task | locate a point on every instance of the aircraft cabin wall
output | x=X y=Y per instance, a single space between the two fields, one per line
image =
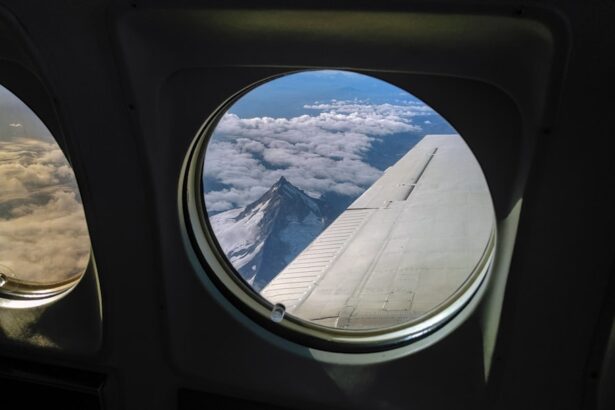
x=125 y=88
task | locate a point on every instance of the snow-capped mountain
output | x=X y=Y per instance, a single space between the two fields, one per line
x=262 y=238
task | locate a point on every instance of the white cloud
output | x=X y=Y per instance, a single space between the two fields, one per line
x=43 y=233
x=318 y=153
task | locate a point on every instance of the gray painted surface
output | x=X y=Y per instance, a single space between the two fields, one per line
x=401 y=249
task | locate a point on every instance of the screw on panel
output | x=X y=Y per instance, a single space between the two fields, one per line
x=277 y=313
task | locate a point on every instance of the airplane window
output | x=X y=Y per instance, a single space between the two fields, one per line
x=343 y=203
x=44 y=241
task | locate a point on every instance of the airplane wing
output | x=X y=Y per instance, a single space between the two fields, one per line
x=401 y=249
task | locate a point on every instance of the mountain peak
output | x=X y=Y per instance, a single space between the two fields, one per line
x=282 y=192
x=282 y=181
x=284 y=187
x=268 y=233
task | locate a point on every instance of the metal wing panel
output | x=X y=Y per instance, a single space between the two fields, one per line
x=400 y=249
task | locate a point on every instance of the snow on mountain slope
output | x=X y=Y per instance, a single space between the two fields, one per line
x=262 y=238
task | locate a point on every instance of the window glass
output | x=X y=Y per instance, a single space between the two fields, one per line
x=345 y=201
x=44 y=239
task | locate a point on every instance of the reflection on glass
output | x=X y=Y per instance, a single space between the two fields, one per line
x=44 y=239
x=286 y=177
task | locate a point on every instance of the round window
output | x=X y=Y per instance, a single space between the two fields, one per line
x=341 y=209
x=44 y=241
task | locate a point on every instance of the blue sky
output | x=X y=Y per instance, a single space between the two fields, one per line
x=286 y=95
x=325 y=131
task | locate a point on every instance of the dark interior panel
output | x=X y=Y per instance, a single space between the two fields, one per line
x=125 y=86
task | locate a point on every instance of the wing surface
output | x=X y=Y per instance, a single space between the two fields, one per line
x=402 y=248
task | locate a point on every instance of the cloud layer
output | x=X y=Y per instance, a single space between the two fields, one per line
x=43 y=233
x=318 y=153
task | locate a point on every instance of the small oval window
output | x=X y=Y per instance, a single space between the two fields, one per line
x=44 y=241
x=345 y=207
